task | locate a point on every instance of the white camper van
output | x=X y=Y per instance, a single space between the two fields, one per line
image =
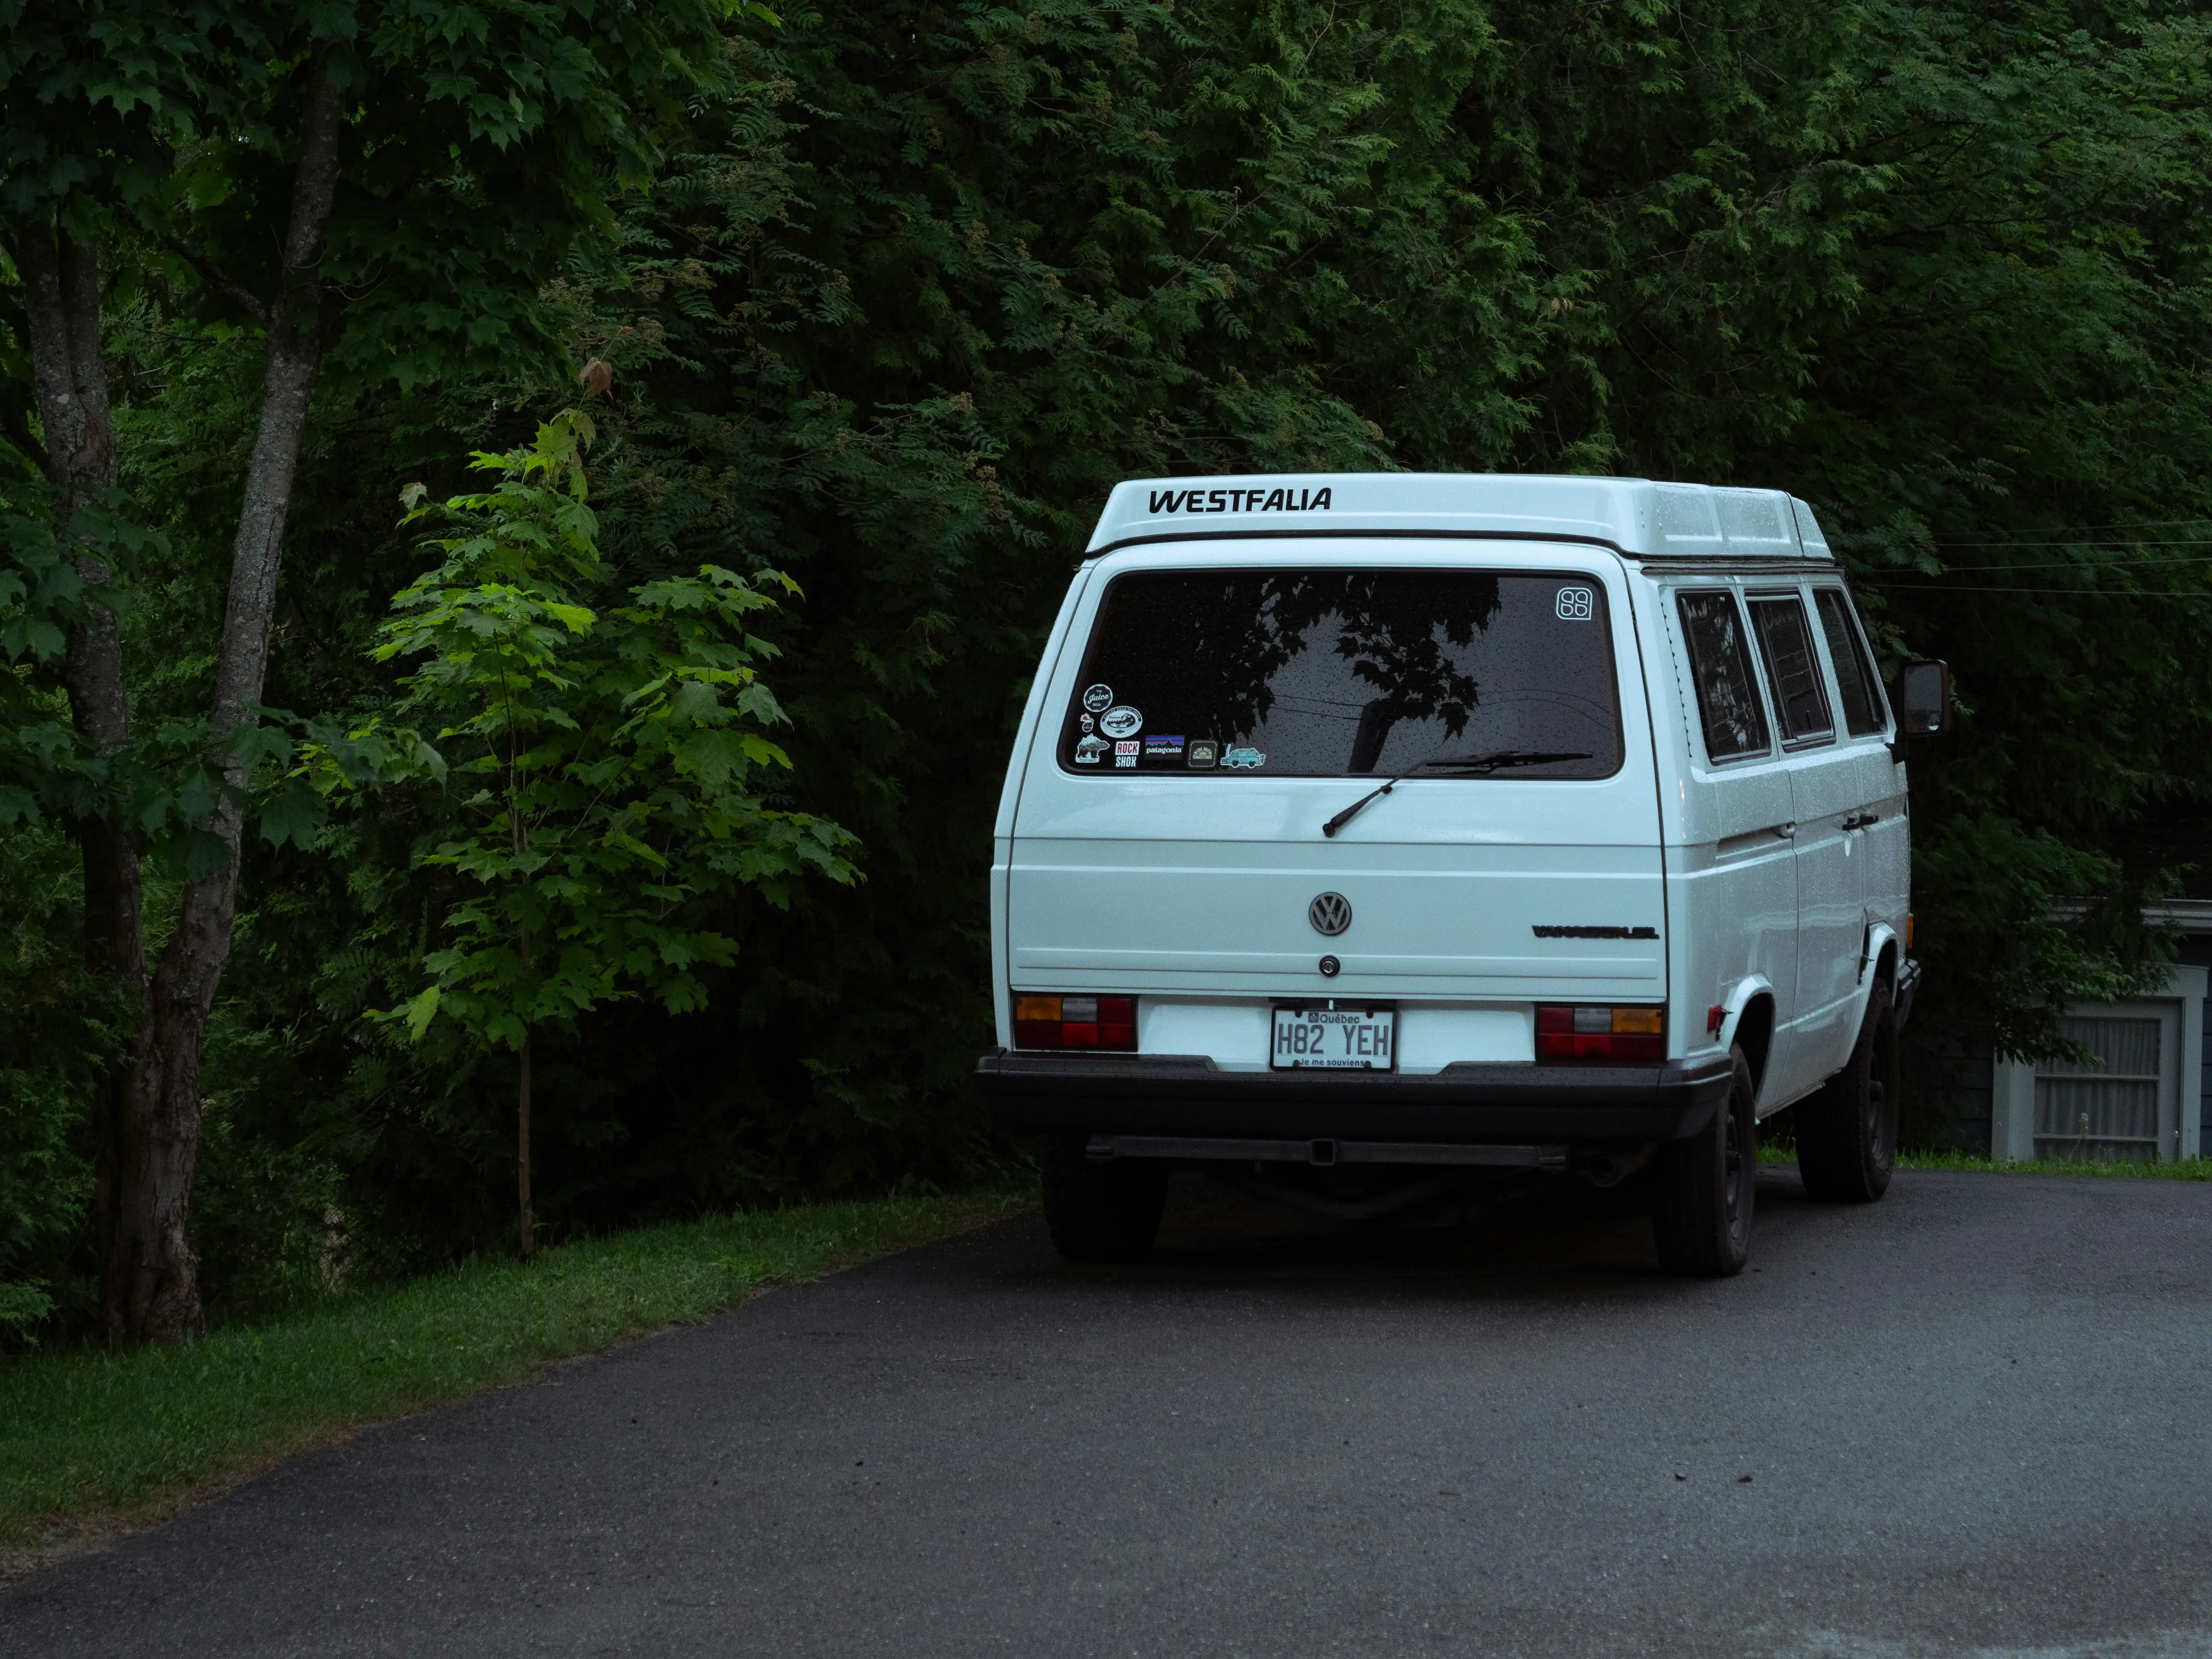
x=1368 y=834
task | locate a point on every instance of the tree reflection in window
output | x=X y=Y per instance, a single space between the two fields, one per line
x=1336 y=672
x=1720 y=662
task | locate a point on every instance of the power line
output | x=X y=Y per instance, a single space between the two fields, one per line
x=2071 y=593
x=2077 y=564
x=2091 y=541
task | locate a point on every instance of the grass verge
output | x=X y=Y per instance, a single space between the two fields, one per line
x=2188 y=1169
x=92 y=1442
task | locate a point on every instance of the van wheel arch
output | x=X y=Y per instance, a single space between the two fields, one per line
x=1754 y=1035
x=1885 y=968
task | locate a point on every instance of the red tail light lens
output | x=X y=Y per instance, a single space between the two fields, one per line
x=1600 y=1036
x=1109 y=1023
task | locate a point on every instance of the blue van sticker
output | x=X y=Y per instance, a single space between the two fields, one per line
x=1243 y=758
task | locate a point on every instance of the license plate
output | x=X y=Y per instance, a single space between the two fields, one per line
x=1334 y=1039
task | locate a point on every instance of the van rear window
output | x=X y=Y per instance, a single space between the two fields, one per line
x=1336 y=674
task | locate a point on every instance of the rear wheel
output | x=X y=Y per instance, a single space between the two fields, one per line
x=1703 y=1188
x=1101 y=1212
x=1847 y=1133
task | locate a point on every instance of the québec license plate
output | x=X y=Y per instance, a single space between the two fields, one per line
x=1335 y=1039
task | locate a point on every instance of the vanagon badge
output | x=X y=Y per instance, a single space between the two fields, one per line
x=1330 y=913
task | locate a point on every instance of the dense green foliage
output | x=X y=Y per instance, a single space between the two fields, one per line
x=915 y=282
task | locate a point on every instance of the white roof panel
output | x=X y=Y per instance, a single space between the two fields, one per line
x=1636 y=516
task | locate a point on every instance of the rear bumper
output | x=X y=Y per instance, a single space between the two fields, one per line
x=1467 y=1104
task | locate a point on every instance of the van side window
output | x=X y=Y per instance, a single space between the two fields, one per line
x=1863 y=713
x=1720 y=662
x=1792 y=670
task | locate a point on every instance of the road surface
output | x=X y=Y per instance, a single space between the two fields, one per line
x=1974 y=1419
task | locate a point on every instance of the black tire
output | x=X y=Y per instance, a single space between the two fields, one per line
x=1847 y=1132
x=1703 y=1188
x=1103 y=1211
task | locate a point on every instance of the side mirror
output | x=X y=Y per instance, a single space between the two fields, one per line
x=1923 y=698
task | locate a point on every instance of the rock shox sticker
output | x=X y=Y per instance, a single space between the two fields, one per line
x=1121 y=720
x=1204 y=751
x=1098 y=699
x=1090 y=751
x=1244 y=757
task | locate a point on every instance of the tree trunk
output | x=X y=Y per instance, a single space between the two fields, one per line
x=148 y=1115
x=522 y=1155
x=61 y=292
x=163 y=1300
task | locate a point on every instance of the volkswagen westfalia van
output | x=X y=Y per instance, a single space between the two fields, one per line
x=1370 y=834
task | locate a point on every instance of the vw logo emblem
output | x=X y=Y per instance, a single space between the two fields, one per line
x=1330 y=913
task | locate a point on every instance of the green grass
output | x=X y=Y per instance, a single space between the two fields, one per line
x=91 y=1438
x=2190 y=1168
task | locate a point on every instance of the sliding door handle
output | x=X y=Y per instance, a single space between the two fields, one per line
x=1787 y=831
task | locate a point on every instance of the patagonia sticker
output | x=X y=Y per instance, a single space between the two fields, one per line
x=1162 y=746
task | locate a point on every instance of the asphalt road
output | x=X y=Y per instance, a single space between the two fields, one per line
x=1974 y=1419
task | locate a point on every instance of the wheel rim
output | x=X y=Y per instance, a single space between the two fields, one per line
x=1881 y=1121
x=1732 y=1165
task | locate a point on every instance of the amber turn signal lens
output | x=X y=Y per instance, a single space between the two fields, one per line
x=1076 y=1023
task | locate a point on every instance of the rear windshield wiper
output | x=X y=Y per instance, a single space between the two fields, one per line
x=1498 y=757
x=1489 y=762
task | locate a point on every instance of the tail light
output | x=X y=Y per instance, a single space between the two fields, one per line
x=1076 y=1023
x=1600 y=1036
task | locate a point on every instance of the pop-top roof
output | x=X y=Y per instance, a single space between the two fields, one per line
x=1636 y=516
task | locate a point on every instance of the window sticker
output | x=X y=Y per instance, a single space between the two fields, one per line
x=1128 y=746
x=1244 y=757
x=1574 y=604
x=1121 y=721
x=1090 y=751
x=1162 y=746
x=1203 y=753
x=1098 y=699
x=1085 y=722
